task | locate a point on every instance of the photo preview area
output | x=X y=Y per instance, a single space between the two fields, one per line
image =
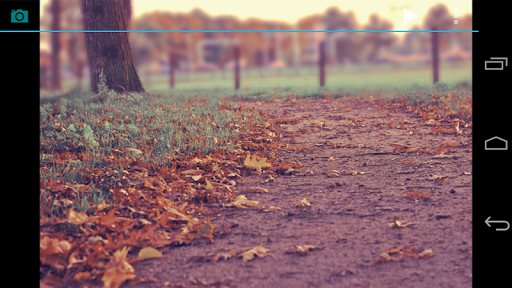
x=262 y=144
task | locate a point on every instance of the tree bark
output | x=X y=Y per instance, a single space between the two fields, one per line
x=55 y=42
x=109 y=51
x=127 y=10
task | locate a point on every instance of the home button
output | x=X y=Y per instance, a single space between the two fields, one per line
x=496 y=143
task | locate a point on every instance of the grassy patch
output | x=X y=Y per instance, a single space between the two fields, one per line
x=81 y=135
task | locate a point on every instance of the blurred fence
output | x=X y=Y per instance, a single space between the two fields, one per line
x=393 y=73
x=310 y=72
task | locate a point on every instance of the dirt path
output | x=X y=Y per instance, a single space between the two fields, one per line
x=349 y=214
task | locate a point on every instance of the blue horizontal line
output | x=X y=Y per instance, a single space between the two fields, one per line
x=42 y=31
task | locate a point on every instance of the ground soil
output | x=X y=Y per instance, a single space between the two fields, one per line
x=349 y=214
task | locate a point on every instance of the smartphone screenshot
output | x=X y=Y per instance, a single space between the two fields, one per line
x=265 y=143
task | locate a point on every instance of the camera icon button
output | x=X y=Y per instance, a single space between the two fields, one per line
x=19 y=16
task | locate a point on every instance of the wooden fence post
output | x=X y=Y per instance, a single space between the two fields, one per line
x=236 y=52
x=321 y=63
x=435 y=55
x=172 y=65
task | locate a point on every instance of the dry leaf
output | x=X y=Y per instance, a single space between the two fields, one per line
x=101 y=206
x=191 y=171
x=81 y=276
x=206 y=229
x=254 y=163
x=427 y=253
x=269 y=209
x=196 y=177
x=398 y=224
x=258 y=251
x=119 y=271
x=240 y=201
x=395 y=250
x=435 y=177
x=136 y=151
x=208 y=185
x=385 y=257
x=302 y=250
x=399 y=146
x=148 y=253
x=76 y=217
x=442 y=155
x=303 y=202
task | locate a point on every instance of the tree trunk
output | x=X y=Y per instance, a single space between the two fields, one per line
x=109 y=50
x=127 y=10
x=55 y=42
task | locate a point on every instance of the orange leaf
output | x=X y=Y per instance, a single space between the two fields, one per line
x=208 y=185
x=303 y=202
x=148 y=253
x=259 y=251
x=120 y=270
x=206 y=229
x=76 y=217
x=254 y=163
x=240 y=201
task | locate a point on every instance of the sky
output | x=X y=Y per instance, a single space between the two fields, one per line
x=290 y=11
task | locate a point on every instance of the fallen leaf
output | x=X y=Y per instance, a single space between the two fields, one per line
x=208 y=185
x=136 y=151
x=240 y=201
x=416 y=195
x=399 y=146
x=191 y=171
x=148 y=253
x=196 y=177
x=259 y=251
x=435 y=177
x=385 y=257
x=119 y=271
x=269 y=209
x=399 y=224
x=254 y=163
x=82 y=276
x=354 y=172
x=303 y=202
x=147 y=183
x=206 y=229
x=442 y=155
x=302 y=250
x=76 y=217
x=427 y=253
x=101 y=206
x=395 y=250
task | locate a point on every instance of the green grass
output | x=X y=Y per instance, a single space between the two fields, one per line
x=90 y=134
